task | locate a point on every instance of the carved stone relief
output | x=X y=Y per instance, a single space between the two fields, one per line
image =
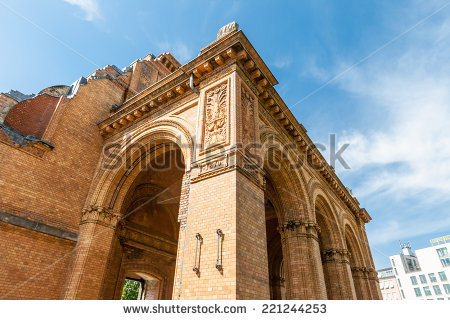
x=216 y=115
x=248 y=117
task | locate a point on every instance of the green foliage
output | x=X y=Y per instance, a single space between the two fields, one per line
x=130 y=290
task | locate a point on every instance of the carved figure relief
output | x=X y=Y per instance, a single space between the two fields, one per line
x=248 y=117
x=216 y=115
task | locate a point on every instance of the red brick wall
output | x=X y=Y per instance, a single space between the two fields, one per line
x=55 y=187
x=30 y=117
x=33 y=265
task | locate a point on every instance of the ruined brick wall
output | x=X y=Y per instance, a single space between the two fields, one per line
x=5 y=105
x=51 y=189
x=31 y=117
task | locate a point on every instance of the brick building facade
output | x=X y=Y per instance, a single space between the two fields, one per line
x=194 y=178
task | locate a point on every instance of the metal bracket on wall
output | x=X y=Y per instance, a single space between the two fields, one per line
x=198 y=249
x=220 y=235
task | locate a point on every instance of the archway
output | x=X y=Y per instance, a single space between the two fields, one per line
x=274 y=246
x=289 y=226
x=334 y=256
x=358 y=271
x=148 y=232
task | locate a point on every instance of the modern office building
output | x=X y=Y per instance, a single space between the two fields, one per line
x=424 y=275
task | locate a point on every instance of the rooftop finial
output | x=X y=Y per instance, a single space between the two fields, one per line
x=231 y=27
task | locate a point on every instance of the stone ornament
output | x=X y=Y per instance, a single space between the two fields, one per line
x=216 y=110
x=101 y=215
x=336 y=255
x=248 y=117
x=227 y=29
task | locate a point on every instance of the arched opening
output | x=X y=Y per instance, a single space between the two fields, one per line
x=141 y=286
x=358 y=276
x=333 y=254
x=274 y=246
x=145 y=249
x=327 y=243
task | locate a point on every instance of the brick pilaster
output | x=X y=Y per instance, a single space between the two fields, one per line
x=338 y=277
x=304 y=273
x=96 y=235
x=361 y=282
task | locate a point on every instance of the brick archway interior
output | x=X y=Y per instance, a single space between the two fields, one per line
x=146 y=241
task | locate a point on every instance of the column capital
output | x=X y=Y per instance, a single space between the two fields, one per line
x=100 y=215
x=299 y=228
x=336 y=255
x=372 y=274
x=360 y=272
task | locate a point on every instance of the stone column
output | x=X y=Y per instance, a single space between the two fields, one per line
x=336 y=265
x=303 y=266
x=374 y=284
x=375 y=292
x=95 y=238
x=361 y=281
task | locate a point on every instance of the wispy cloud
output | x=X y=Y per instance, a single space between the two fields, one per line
x=90 y=8
x=282 y=62
x=407 y=150
x=400 y=159
x=311 y=69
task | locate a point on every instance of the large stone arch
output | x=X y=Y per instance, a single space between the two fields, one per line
x=287 y=177
x=105 y=216
x=334 y=256
x=298 y=232
x=126 y=150
x=360 y=273
x=325 y=211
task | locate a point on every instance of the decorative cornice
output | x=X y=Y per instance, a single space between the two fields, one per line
x=363 y=215
x=100 y=215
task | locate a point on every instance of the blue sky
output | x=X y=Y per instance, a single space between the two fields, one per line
x=375 y=73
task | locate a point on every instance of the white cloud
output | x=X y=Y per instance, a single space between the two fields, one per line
x=282 y=62
x=90 y=8
x=312 y=69
x=393 y=230
x=407 y=150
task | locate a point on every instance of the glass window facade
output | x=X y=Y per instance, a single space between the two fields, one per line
x=418 y=292
x=442 y=276
x=445 y=262
x=423 y=279
x=432 y=277
x=413 y=280
x=427 y=291
x=437 y=289
x=442 y=252
x=447 y=288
